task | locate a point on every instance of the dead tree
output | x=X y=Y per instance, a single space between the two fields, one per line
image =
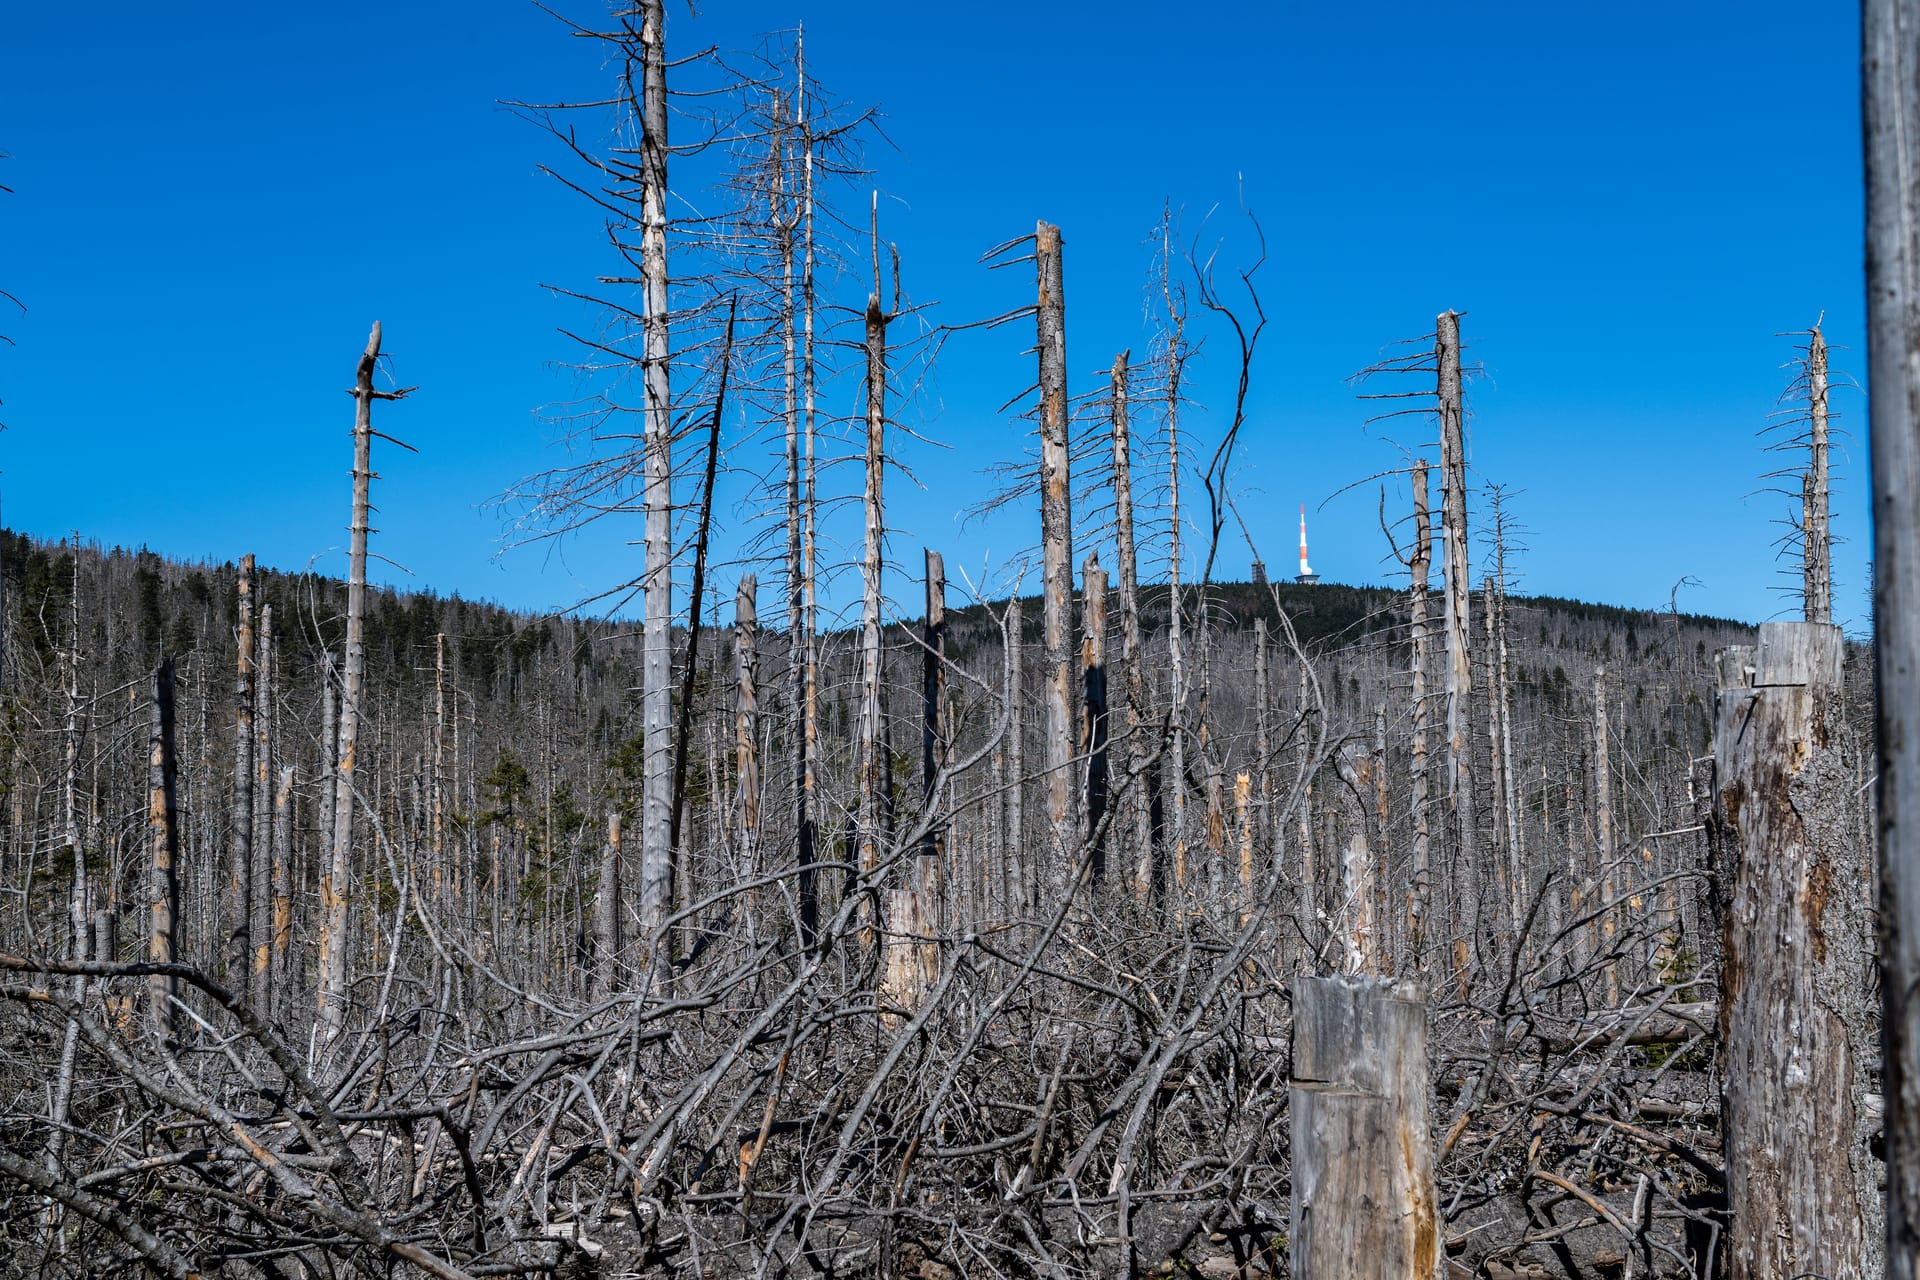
x=163 y=850
x=1891 y=100
x=746 y=723
x=1093 y=727
x=260 y=888
x=1419 y=872
x=1056 y=546
x=873 y=771
x=656 y=671
x=1800 y=1183
x=1363 y=1201
x=239 y=901
x=1458 y=574
x=1817 y=550
x=336 y=877
x=1138 y=825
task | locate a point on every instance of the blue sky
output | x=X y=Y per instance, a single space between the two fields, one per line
x=1628 y=202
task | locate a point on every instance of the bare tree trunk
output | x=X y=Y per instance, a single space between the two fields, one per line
x=335 y=886
x=656 y=677
x=163 y=847
x=934 y=744
x=1019 y=869
x=1818 y=550
x=807 y=884
x=873 y=767
x=1056 y=549
x=1459 y=573
x=1801 y=1186
x=439 y=798
x=1891 y=98
x=1363 y=1197
x=1419 y=874
x=284 y=978
x=260 y=893
x=606 y=911
x=1093 y=729
x=239 y=951
x=746 y=722
x=1139 y=822
x=1262 y=729
x=1606 y=926
x=79 y=916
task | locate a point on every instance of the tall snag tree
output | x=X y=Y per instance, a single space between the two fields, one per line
x=337 y=875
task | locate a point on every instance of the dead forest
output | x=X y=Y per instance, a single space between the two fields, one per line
x=1121 y=922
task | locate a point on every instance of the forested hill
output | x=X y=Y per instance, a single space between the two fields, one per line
x=544 y=710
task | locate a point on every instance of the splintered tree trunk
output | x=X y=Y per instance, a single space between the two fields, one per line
x=1093 y=729
x=1801 y=1185
x=1363 y=1205
x=239 y=953
x=1459 y=574
x=1817 y=554
x=1056 y=548
x=1419 y=873
x=335 y=877
x=746 y=721
x=1138 y=825
x=1890 y=83
x=933 y=699
x=873 y=756
x=163 y=850
x=656 y=673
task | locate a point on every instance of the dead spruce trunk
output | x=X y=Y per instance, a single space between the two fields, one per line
x=163 y=852
x=1801 y=1185
x=239 y=899
x=1056 y=546
x=656 y=672
x=872 y=751
x=1818 y=550
x=1459 y=592
x=1139 y=822
x=1363 y=1202
x=1093 y=728
x=1419 y=881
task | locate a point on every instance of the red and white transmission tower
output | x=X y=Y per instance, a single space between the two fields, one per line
x=1307 y=575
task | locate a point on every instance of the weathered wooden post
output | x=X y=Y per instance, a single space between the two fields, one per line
x=1363 y=1200
x=1801 y=1188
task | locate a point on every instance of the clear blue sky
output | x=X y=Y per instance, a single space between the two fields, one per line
x=212 y=201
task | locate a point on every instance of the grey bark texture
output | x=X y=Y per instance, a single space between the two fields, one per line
x=1890 y=88
x=656 y=675
x=1459 y=593
x=239 y=900
x=1056 y=548
x=1801 y=1184
x=163 y=853
x=1363 y=1205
